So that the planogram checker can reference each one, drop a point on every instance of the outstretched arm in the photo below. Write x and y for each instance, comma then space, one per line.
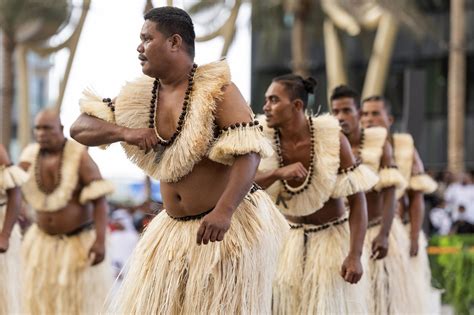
92, 131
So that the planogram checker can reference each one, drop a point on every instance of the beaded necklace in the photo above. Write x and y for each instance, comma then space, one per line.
296, 190
153, 121
361, 145
58, 177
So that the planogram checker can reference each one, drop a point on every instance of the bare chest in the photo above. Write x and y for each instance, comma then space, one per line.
170, 110
48, 171
296, 152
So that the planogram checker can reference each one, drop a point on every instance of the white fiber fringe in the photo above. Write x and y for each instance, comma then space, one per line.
132, 111
326, 164
60, 197
372, 147
10, 272
423, 183
58, 278
170, 274
430, 297
319, 287
360, 179
96, 189
92, 104
11, 177
388, 177
392, 283
240, 141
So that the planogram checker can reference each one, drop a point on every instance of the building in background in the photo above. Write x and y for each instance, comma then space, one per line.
417, 80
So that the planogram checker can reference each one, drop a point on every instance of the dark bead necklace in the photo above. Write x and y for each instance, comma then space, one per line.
58, 177
291, 190
361, 145
153, 121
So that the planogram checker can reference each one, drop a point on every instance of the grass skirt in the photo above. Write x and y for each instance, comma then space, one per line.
170, 274
10, 291
58, 278
430, 297
308, 279
393, 287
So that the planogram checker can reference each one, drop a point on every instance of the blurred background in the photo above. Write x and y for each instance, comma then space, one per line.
418, 53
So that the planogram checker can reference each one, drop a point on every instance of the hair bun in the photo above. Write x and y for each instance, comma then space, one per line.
310, 84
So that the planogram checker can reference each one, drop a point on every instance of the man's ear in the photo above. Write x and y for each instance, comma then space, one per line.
298, 104
176, 42
391, 119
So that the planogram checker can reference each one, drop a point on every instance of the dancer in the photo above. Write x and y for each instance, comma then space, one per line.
190, 128
11, 178
313, 170
63, 251
410, 200
389, 293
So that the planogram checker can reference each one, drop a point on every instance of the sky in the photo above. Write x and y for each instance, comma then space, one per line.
106, 58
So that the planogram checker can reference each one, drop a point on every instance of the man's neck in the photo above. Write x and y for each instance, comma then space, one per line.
354, 137
56, 148
178, 75
296, 129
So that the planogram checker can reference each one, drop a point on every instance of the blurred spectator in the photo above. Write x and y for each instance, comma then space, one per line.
144, 213
440, 219
123, 238
461, 192
461, 225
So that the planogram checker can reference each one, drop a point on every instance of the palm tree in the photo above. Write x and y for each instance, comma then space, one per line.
23, 21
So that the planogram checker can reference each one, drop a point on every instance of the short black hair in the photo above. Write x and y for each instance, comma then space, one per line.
297, 87
343, 91
379, 98
170, 21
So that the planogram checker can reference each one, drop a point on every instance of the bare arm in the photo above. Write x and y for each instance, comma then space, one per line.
416, 207
92, 131
295, 171
352, 268
13, 207
232, 109
88, 173
380, 242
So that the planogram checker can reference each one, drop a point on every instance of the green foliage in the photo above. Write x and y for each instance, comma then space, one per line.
455, 272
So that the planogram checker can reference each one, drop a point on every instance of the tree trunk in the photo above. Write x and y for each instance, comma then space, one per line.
456, 87
8, 76
299, 61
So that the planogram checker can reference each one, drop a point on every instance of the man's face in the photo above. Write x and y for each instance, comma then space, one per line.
345, 110
48, 131
374, 115
278, 107
153, 49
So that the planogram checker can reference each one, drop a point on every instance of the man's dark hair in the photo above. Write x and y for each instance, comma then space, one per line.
379, 98
297, 87
343, 91
170, 21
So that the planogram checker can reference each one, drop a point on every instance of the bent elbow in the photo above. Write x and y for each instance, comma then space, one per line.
77, 131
